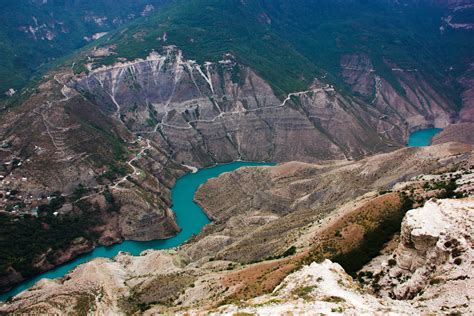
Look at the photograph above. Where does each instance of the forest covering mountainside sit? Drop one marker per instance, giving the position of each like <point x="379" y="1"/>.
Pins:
<point x="306" y="39"/>
<point x="34" y="33"/>
<point x="290" y="43"/>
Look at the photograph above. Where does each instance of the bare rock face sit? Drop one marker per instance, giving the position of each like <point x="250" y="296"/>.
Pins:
<point x="318" y="288"/>
<point x="434" y="256"/>
<point x="9" y="277"/>
<point x="434" y="260"/>
<point x="131" y="126"/>
<point x="461" y="133"/>
<point x="218" y="112"/>
<point x="224" y="111"/>
<point x="420" y="105"/>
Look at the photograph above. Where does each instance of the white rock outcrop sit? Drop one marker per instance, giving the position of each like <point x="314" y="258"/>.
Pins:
<point x="433" y="262"/>
<point x="430" y="272"/>
<point x="320" y="288"/>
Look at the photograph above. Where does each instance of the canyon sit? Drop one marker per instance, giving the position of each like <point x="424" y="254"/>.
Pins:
<point x="91" y="151"/>
<point x="249" y="239"/>
<point x="129" y="130"/>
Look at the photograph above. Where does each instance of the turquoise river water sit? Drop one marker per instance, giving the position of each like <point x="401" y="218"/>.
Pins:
<point x="189" y="216"/>
<point x="422" y="137"/>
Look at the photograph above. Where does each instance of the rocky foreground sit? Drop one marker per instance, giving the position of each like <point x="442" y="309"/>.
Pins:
<point x="269" y="246"/>
<point x="432" y="264"/>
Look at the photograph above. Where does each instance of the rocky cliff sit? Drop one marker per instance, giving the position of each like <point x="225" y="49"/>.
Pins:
<point x="434" y="256"/>
<point x="214" y="112"/>
<point x="433" y="260"/>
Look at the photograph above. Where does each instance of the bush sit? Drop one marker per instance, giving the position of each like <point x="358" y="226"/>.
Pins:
<point x="289" y="252"/>
<point x="24" y="239"/>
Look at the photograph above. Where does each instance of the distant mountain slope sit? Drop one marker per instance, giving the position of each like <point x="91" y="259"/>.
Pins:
<point x="290" y="43"/>
<point x="36" y="32"/>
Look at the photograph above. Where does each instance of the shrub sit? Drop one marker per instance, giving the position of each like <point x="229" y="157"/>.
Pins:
<point x="289" y="252"/>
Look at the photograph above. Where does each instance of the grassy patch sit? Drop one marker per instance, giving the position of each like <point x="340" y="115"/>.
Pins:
<point x="374" y="240"/>
<point x="304" y="292"/>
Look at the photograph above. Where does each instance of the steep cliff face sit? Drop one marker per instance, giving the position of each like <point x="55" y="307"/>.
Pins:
<point x="434" y="259"/>
<point x="434" y="256"/>
<point x="224" y="111"/>
<point x="280" y="199"/>
<point x="413" y="99"/>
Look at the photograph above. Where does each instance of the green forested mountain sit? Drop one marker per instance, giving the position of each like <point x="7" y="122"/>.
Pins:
<point x="35" y="32"/>
<point x="288" y="42"/>
<point x="291" y="42"/>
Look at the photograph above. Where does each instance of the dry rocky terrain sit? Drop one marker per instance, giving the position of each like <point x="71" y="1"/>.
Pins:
<point x="432" y="263"/>
<point x="286" y="218"/>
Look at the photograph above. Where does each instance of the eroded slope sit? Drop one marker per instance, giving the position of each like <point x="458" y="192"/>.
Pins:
<point x="247" y="250"/>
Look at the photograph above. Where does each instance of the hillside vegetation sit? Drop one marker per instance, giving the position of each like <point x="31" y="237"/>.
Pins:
<point x="291" y="42"/>
<point x="35" y="33"/>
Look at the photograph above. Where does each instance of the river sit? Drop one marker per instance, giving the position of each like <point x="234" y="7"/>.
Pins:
<point x="422" y="137"/>
<point x="189" y="215"/>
